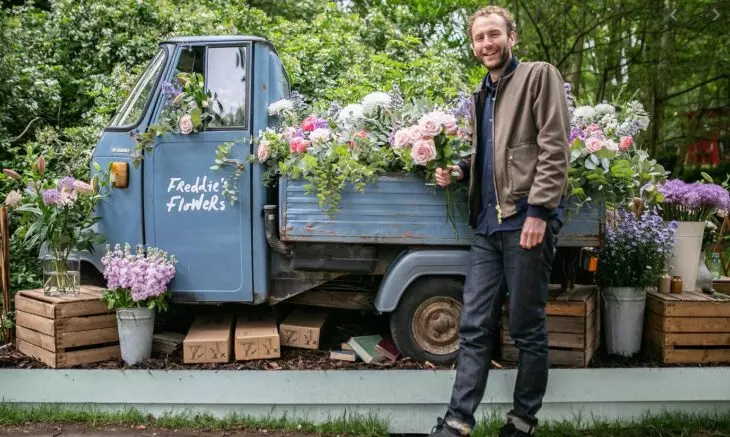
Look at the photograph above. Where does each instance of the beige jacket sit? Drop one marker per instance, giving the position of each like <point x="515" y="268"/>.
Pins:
<point x="530" y="135"/>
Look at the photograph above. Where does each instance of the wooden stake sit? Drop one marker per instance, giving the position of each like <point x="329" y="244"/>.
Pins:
<point x="5" y="265"/>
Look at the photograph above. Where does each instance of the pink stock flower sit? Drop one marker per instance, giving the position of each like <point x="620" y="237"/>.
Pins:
<point x="626" y="143"/>
<point x="423" y="152"/>
<point x="298" y="145"/>
<point x="263" y="152"/>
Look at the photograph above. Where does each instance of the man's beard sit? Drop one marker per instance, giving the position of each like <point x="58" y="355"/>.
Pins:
<point x="504" y="58"/>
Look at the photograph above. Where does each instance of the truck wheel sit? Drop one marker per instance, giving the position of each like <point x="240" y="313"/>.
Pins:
<point x="425" y="326"/>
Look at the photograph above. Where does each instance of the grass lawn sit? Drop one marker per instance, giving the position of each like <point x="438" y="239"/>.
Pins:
<point x="664" y="425"/>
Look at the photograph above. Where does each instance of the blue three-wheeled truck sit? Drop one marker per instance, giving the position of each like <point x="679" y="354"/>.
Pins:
<point x="276" y="244"/>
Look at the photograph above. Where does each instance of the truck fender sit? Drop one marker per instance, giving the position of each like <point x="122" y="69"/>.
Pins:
<point x="413" y="264"/>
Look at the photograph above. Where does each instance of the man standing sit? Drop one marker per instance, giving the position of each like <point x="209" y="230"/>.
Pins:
<point x="517" y="178"/>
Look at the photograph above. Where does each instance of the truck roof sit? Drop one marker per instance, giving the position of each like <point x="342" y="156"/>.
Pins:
<point x="214" y="38"/>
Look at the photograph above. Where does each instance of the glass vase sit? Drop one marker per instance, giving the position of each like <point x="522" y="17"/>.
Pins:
<point x="61" y="275"/>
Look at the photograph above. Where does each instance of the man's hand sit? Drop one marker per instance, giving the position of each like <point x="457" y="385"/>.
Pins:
<point x="533" y="232"/>
<point x="443" y="175"/>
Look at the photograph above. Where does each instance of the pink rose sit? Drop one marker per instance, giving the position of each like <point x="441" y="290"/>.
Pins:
<point x="594" y="129"/>
<point x="186" y="124"/>
<point x="594" y="144"/>
<point x="626" y="143"/>
<point x="423" y="152"/>
<point x="13" y="198"/>
<point x="308" y="124"/>
<point x="321" y="134"/>
<point x="401" y="139"/>
<point x="83" y="188"/>
<point x="414" y="133"/>
<point x="430" y="127"/>
<point x="298" y="145"/>
<point x="262" y="153"/>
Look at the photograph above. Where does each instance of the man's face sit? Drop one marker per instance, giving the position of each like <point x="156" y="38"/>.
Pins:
<point x="491" y="42"/>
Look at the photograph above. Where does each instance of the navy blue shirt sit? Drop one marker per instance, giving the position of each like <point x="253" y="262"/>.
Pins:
<point x="488" y="221"/>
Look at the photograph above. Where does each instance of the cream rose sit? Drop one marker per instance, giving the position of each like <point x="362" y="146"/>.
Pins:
<point x="186" y="125"/>
<point x="320" y="135"/>
<point x="423" y="152"/>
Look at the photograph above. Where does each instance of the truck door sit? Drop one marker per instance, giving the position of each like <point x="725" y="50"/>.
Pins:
<point x="185" y="211"/>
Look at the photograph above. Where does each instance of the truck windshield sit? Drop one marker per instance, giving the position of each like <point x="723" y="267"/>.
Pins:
<point x="131" y="110"/>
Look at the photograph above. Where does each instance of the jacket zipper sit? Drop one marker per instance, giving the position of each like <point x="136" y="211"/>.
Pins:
<point x="494" y="141"/>
<point x="474" y="127"/>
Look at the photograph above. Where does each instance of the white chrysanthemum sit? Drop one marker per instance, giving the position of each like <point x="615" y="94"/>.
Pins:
<point x="377" y="99"/>
<point x="604" y="108"/>
<point x="584" y="112"/>
<point x="351" y="113"/>
<point x="280" y="106"/>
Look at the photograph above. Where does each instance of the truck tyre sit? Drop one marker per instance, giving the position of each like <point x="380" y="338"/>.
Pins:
<point x="425" y="326"/>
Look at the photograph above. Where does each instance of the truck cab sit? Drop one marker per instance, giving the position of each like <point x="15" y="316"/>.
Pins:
<point x="248" y="252"/>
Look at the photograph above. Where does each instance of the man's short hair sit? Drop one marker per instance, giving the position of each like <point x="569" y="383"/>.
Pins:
<point x="489" y="10"/>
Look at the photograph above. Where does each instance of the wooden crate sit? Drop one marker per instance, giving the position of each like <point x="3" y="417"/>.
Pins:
<point x="573" y="323"/>
<point x="688" y="328"/>
<point x="66" y="331"/>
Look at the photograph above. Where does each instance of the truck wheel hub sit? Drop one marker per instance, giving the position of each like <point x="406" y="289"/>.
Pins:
<point x="435" y="325"/>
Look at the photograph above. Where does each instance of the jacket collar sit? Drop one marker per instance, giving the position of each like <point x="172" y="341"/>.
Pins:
<point x="507" y="74"/>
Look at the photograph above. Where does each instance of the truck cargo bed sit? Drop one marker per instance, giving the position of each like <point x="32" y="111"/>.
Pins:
<point x="398" y="209"/>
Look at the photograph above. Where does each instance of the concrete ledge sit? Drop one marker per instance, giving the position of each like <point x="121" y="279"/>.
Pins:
<point x="409" y="401"/>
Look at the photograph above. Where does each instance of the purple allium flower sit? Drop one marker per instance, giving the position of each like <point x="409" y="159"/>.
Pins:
<point x="66" y="183"/>
<point x="170" y="91"/>
<point x="52" y="197"/>
<point x="693" y="201"/>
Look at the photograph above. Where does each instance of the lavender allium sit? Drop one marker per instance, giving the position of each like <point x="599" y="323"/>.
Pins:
<point x="461" y="108"/>
<point x="66" y="183"/>
<point x="692" y="201"/>
<point x="52" y="197"/>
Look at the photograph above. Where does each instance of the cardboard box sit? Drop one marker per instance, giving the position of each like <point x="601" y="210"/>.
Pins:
<point x="256" y="339"/>
<point x="209" y="339"/>
<point x="302" y="329"/>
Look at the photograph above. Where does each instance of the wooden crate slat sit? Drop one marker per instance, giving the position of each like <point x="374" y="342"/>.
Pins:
<point x="691" y="324"/>
<point x="693" y="339"/>
<point x="42" y="355"/>
<point x="84" y="323"/>
<point x="74" y="358"/>
<point x="557" y="339"/>
<point x="565" y="324"/>
<point x="556" y="357"/>
<point x="32" y="306"/>
<point x="87" y="338"/>
<point x="87" y="302"/>
<point x="36" y="323"/>
<point x="36" y="338"/>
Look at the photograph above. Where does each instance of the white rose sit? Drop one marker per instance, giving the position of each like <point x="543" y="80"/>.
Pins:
<point x="375" y="100"/>
<point x="280" y="106"/>
<point x="320" y="135"/>
<point x="186" y="124"/>
<point x="350" y="113"/>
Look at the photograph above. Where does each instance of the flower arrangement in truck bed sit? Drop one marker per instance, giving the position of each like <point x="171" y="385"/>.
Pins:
<point x="137" y="279"/>
<point x="188" y="106"/>
<point x="335" y="146"/>
<point x="605" y="164"/>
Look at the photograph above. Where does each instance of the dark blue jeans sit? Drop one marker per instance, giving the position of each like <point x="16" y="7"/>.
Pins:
<point x="499" y="265"/>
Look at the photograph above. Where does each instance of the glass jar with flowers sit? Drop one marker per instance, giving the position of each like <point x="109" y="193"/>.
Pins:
<point x="57" y="214"/>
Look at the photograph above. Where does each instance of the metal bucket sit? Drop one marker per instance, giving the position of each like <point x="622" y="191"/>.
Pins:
<point x="623" y="319"/>
<point x="136" y="326"/>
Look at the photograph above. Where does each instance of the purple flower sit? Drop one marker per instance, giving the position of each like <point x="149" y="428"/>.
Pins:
<point x="693" y="201"/>
<point x="321" y="123"/>
<point x="52" y="197"/>
<point x="576" y="132"/>
<point x="170" y="91"/>
<point x="66" y="183"/>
